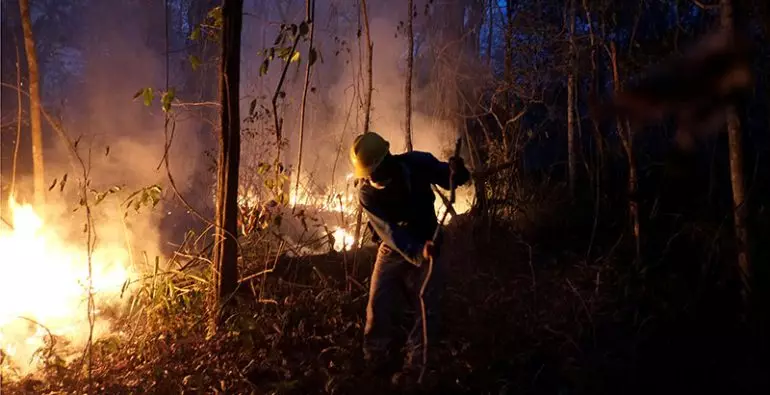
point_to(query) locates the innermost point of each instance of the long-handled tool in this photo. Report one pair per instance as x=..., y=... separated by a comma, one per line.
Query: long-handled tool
x=448, y=203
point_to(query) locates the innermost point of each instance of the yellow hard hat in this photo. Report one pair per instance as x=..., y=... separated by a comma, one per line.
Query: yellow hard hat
x=367, y=152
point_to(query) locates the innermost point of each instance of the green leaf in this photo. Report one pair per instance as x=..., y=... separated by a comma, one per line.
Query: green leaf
x=295, y=57
x=283, y=52
x=216, y=15
x=312, y=56
x=264, y=66
x=195, y=62
x=149, y=95
x=215, y=12
x=167, y=98
x=196, y=33
x=262, y=168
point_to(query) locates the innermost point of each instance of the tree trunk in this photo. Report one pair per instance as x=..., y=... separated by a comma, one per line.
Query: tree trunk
x=17, y=142
x=310, y=19
x=34, y=104
x=508, y=63
x=226, y=250
x=598, y=165
x=571, y=154
x=490, y=31
x=367, y=108
x=627, y=138
x=409, y=67
x=736, y=173
x=369, y=77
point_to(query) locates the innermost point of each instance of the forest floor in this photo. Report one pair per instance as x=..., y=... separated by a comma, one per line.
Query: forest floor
x=523, y=316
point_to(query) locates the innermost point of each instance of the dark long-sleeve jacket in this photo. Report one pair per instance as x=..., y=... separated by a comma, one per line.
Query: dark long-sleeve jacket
x=403, y=214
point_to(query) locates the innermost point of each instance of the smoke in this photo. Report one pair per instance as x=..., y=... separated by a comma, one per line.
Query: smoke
x=122, y=143
x=334, y=114
x=335, y=106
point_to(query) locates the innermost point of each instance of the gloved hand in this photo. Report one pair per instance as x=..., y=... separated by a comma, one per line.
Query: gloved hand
x=456, y=163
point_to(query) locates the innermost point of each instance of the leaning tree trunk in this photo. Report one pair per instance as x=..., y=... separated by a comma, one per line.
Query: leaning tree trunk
x=571, y=151
x=34, y=104
x=594, y=91
x=367, y=108
x=508, y=63
x=310, y=20
x=19, y=114
x=627, y=138
x=226, y=250
x=736, y=173
x=409, y=67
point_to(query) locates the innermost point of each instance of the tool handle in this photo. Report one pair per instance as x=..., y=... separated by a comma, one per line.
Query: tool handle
x=451, y=173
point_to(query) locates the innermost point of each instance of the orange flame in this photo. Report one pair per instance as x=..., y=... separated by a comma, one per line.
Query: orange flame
x=44, y=288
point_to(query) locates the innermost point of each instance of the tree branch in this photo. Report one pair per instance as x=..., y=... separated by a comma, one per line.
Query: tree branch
x=705, y=6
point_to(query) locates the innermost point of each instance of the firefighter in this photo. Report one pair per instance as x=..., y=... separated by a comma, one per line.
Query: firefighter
x=396, y=195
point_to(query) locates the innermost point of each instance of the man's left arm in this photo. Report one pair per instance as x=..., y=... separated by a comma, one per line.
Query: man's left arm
x=439, y=171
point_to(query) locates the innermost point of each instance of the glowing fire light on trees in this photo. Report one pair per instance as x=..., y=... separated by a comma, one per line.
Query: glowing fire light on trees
x=44, y=288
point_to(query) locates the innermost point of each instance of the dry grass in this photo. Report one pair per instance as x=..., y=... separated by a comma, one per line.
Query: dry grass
x=523, y=315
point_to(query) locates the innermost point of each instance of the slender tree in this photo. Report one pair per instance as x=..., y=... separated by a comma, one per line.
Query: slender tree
x=369, y=76
x=627, y=139
x=736, y=171
x=34, y=104
x=571, y=151
x=599, y=173
x=309, y=19
x=409, y=72
x=226, y=250
x=17, y=141
x=367, y=105
x=508, y=64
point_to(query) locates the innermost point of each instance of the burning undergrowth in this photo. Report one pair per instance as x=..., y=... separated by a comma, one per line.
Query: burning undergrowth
x=45, y=283
x=317, y=219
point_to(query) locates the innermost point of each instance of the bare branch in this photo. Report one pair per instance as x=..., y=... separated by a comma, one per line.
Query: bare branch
x=705, y=6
